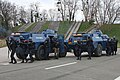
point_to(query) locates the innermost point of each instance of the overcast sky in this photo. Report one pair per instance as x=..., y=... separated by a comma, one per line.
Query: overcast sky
x=44, y=4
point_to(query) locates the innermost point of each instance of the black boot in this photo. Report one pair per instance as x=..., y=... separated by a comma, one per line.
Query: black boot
x=11, y=62
x=78, y=58
x=22, y=61
x=14, y=62
x=26, y=60
x=31, y=61
x=89, y=58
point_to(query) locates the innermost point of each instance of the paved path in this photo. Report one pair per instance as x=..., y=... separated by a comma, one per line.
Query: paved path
x=54, y=25
x=24, y=27
x=37, y=27
x=73, y=29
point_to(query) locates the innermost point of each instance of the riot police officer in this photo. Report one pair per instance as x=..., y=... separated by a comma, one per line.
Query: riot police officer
x=115, y=44
x=78, y=49
x=21, y=39
x=112, y=46
x=108, y=47
x=55, y=47
x=13, y=46
x=31, y=47
x=46, y=47
x=89, y=47
x=23, y=49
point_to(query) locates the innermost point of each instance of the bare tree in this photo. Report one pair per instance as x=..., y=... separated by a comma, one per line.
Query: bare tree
x=7, y=11
x=108, y=11
x=85, y=8
x=44, y=15
x=72, y=6
x=101, y=11
x=35, y=11
x=52, y=14
x=62, y=8
x=14, y=14
x=22, y=14
x=68, y=8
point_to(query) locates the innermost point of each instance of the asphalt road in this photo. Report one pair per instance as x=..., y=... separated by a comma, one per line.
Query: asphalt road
x=68, y=68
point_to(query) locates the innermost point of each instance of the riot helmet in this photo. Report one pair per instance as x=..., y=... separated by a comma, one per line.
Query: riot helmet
x=21, y=38
x=30, y=39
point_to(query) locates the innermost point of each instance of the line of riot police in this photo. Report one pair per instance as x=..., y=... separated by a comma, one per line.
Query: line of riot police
x=79, y=49
x=23, y=48
x=111, y=47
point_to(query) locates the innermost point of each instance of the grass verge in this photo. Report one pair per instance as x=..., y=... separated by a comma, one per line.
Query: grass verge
x=2, y=43
x=84, y=26
x=112, y=30
x=15, y=29
x=64, y=26
x=45, y=26
x=31, y=27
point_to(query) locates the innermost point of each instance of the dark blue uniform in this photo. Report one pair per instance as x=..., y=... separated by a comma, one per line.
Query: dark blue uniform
x=13, y=46
x=78, y=50
x=56, y=47
x=23, y=47
x=31, y=47
x=89, y=47
x=115, y=45
x=108, y=48
x=46, y=47
x=112, y=46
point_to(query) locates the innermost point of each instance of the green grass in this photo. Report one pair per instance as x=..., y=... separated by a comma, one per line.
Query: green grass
x=2, y=43
x=64, y=26
x=84, y=26
x=45, y=26
x=16, y=28
x=31, y=27
x=112, y=30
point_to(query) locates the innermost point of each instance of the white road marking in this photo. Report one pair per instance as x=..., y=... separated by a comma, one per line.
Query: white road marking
x=60, y=65
x=4, y=64
x=118, y=78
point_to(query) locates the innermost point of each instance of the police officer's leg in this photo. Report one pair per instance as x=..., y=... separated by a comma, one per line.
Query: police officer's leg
x=25, y=55
x=11, y=56
x=78, y=55
x=115, y=48
x=46, y=54
x=89, y=53
x=26, y=60
x=111, y=51
x=80, y=52
x=54, y=52
x=22, y=61
x=108, y=51
x=115, y=52
x=31, y=57
x=13, y=60
x=107, y=54
x=57, y=53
